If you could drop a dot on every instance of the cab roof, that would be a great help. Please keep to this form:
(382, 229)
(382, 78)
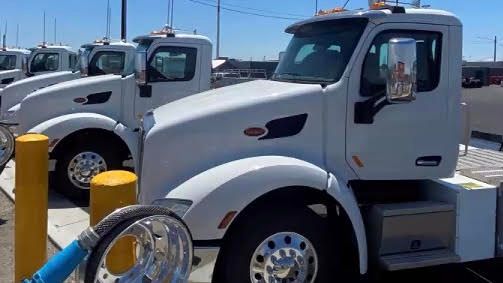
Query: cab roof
(175, 36)
(428, 16)
(53, 47)
(104, 43)
(14, 51)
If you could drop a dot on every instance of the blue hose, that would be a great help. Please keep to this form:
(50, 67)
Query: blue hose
(60, 266)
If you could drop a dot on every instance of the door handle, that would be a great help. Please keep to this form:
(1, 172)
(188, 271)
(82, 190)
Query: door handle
(428, 161)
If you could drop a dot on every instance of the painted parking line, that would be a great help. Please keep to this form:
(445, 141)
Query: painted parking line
(65, 220)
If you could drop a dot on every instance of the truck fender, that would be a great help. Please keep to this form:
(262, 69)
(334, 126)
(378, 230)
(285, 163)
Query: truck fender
(60, 127)
(233, 186)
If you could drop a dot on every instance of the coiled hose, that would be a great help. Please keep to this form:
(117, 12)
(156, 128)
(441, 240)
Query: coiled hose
(162, 239)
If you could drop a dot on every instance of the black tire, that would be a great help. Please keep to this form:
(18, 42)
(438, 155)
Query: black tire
(94, 258)
(60, 180)
(235, 258)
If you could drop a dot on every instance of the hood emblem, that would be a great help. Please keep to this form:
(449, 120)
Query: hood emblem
(80, 100)
(254, 132)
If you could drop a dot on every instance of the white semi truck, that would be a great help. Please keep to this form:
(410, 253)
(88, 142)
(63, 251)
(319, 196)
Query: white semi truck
(93, 123)
(12, 62)
(100, 57)
(335, 165)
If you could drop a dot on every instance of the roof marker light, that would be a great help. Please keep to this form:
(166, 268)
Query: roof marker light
(331, 11)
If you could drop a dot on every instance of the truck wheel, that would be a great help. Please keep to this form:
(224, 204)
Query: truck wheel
(77, 165)
(282, 245)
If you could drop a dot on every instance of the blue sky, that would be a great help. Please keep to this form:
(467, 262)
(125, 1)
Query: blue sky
(243, 36)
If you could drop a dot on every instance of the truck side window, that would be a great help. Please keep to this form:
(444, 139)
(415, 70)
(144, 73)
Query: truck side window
(429, 51)
(44, 62)
(107, 62)
(72, 61)
(172, 64)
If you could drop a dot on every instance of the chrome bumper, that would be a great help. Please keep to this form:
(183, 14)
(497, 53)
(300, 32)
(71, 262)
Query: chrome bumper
(203, 264)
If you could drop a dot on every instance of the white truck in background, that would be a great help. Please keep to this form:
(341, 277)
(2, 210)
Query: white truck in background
(12, 63)
(47, 64)
(98, 58)
(333, 168)
(93, 123)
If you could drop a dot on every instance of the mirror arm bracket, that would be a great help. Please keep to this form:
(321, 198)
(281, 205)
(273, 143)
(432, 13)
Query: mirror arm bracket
(366, 110)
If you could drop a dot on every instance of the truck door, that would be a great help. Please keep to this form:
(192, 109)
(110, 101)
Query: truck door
(412, 140)
(173, 72)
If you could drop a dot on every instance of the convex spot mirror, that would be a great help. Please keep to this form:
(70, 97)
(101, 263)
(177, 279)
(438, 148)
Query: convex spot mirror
(401, 78)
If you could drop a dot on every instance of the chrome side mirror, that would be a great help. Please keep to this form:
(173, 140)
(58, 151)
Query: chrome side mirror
(84, 63)
(401, 76)
(141, 67)
(24, 65)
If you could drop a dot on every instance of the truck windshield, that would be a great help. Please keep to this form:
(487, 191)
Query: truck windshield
(7, 62)
(320, 51)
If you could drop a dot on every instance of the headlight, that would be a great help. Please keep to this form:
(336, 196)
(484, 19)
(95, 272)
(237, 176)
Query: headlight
(148, 121)
(178, 206)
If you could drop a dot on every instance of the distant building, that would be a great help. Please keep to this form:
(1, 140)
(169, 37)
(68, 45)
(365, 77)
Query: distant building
(487, 72)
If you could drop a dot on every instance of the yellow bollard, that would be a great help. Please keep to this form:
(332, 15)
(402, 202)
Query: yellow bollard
(109, 191)
(31, 190)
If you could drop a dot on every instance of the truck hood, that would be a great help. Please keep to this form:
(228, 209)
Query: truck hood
(17, 91)
(228, 98)
(257, 118)
(91, 94)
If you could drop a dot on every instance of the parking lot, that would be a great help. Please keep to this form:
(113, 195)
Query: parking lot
(479, 272)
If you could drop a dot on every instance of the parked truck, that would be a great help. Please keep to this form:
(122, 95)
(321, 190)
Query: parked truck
(344, 161)
(12, 62)
(100, 57)
(93, 123)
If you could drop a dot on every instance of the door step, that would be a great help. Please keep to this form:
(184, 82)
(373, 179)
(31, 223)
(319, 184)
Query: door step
(418, 259)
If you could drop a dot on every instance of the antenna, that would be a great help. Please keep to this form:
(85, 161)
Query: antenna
(345, 4)
(172, 10)
(43, 42)
(107, 27)
(5, 37)
(169, 13)
(17, 36)
(55, 30)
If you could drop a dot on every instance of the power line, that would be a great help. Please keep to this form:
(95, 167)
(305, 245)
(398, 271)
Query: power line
(245, 12)
(262, 10)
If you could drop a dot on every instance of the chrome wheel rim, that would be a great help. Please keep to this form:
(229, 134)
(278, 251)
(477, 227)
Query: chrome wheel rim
(284, 257)
(163, 252)
(83, 167)
(6, 145)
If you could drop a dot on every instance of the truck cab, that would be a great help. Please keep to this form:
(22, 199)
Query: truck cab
(12, 63)
(287, 180)
(100, 57)
(93, 122)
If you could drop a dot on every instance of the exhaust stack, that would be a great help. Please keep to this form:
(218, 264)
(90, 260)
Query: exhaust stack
(124, 21)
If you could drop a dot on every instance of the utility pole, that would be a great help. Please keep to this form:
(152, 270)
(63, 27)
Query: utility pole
(218, 29)
(316, 8)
